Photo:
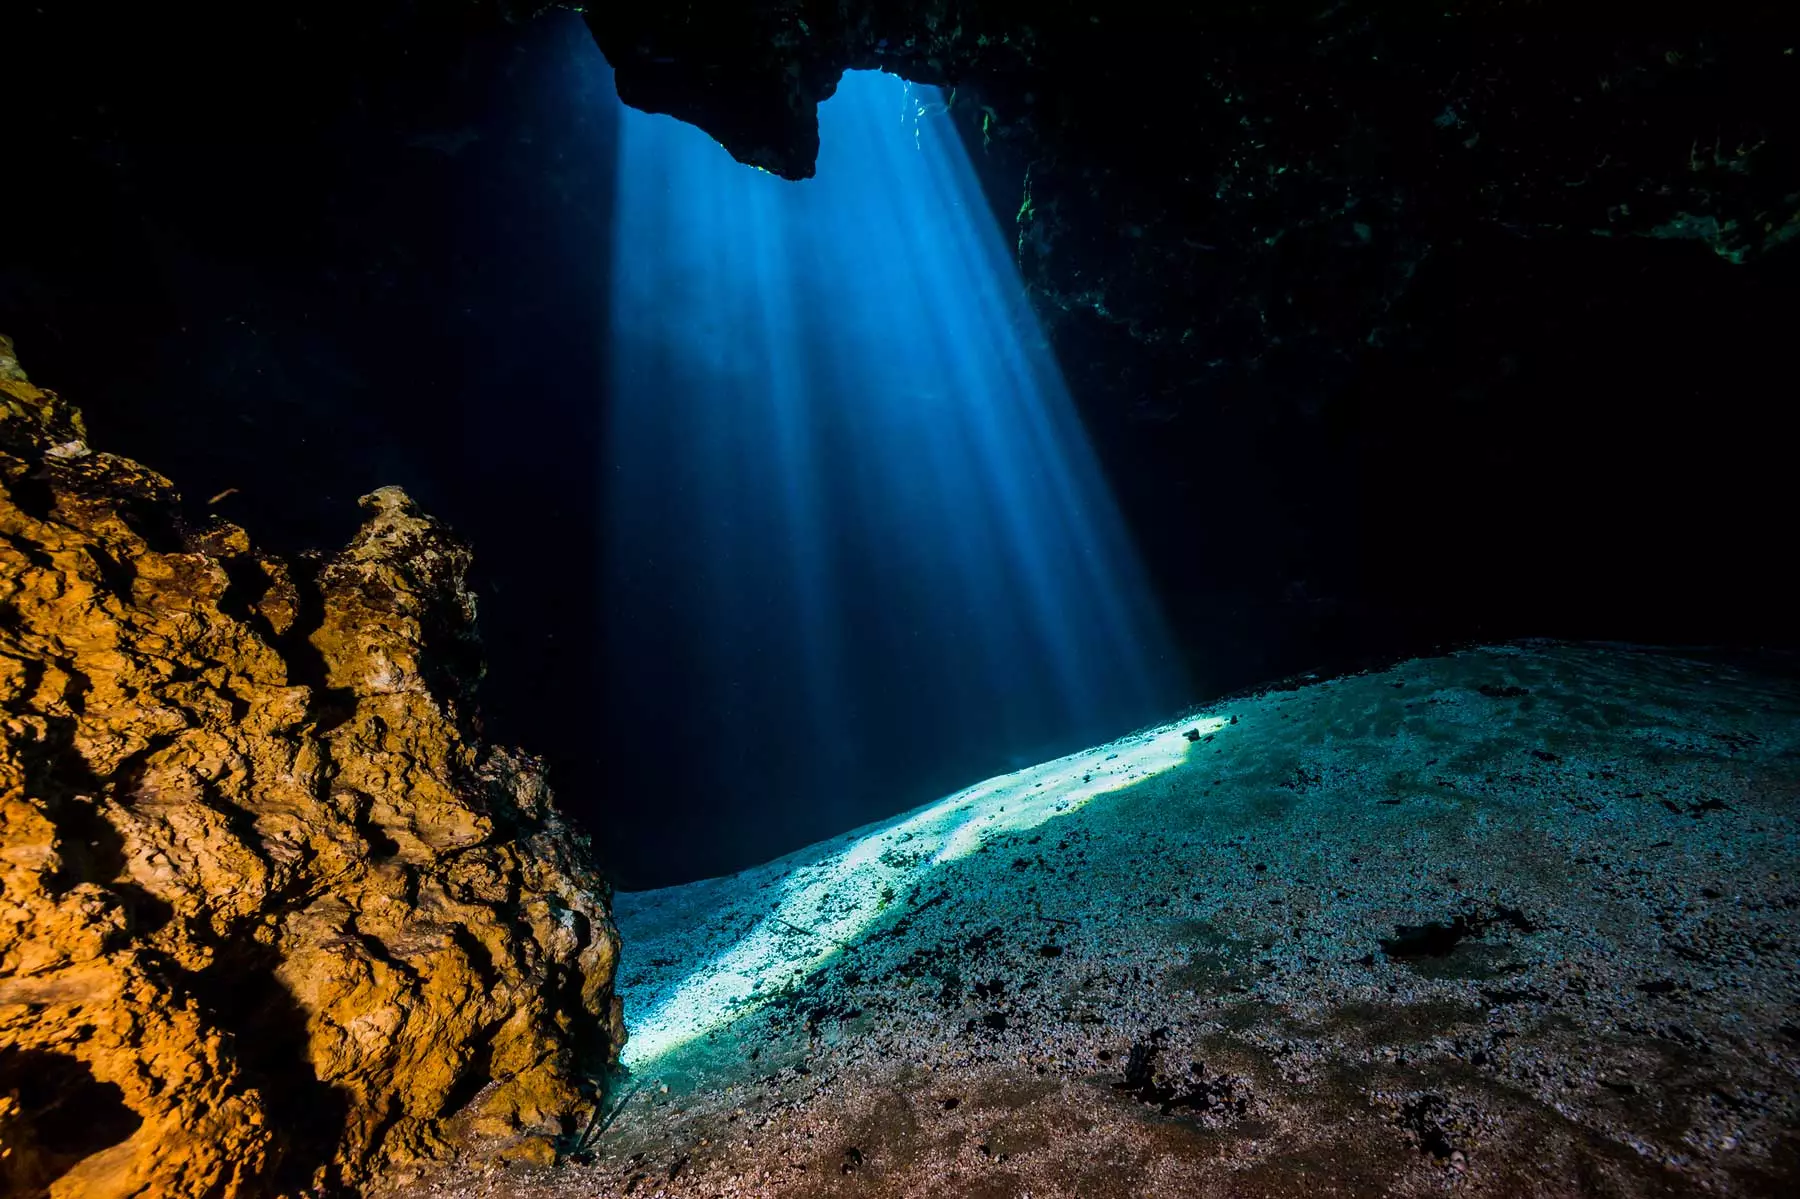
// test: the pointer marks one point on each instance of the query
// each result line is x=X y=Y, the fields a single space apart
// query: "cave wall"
x=269 y=905
x=331 y=249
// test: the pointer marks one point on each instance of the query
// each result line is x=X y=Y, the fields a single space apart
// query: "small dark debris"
x=1661 y=986
x=1138 y=1064
x=1513 y=916
x=1192 y=734
x=853 y=1158
x=1423 y=1118
x=993 y=1021
x=982 y=942
x=677 y=1166
x=1431 y=940
x=1388 y=802
x=1234 y=720
x=1302 y=781
x=1495 y=691
x=1544 y=755
x=1737 y=740
x=1222 y=1095
x=951 y=1103
x=1696 y=810
x=1050 y=951
x=1437 y=939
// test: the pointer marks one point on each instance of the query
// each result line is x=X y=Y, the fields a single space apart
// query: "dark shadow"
x=90 y=848
x=329 y=706
x=243 y=996
x=154 y=519
x=35 y=499
x=145 y=912
x=381 y=846
x=480 y=960
x=65 y=1114
x=476 y=1075
x=246 y=583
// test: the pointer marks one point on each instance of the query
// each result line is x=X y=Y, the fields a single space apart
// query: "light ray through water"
x=852 y=509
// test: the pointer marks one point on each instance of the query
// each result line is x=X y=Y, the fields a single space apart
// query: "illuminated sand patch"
x=819 y=908
x=1484 y=904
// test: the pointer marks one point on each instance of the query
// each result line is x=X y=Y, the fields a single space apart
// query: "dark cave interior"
x=286 y=258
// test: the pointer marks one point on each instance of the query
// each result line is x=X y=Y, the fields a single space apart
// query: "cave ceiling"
x=1252 y=189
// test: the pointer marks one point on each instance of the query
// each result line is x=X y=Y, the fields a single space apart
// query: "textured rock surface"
x=271 y=914
x=1515 y=922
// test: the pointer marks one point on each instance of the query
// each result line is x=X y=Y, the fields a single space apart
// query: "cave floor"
x=1516 y=921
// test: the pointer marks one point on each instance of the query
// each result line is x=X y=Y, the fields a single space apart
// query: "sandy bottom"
x=1519 y=921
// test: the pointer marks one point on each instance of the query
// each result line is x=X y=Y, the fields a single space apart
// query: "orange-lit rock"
x=271 y=913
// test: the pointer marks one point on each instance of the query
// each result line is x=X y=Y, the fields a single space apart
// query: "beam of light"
x=823 y=906
x=852 y=512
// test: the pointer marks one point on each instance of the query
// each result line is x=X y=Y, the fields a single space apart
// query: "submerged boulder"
x=272 y=915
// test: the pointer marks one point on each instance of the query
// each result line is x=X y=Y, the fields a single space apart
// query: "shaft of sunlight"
x=850 y=503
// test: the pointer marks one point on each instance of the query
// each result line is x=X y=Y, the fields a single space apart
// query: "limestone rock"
x=272 y=916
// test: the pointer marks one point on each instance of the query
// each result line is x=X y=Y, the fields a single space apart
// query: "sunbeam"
x=846 y=482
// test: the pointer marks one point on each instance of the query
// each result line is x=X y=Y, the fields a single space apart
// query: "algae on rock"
x=272 y=916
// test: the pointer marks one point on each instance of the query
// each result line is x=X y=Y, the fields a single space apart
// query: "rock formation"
x=272 y=916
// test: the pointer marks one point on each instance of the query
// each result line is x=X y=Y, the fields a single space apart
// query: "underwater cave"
x=789 y=599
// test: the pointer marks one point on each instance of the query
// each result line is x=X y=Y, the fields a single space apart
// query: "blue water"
x=858 y=543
